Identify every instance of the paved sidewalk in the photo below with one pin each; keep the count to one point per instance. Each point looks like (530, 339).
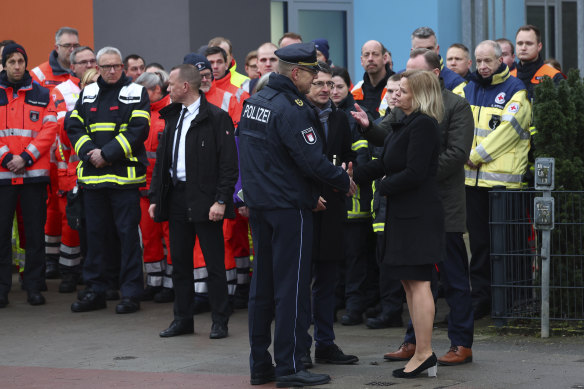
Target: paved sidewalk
(50, 347)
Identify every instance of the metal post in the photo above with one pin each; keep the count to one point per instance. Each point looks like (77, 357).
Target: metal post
(544, 220)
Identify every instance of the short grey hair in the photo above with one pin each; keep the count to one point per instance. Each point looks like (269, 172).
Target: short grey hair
(496, 47)
(65, 30)
(108, 50)
(78, 50)
(423, 33)
(150, 80)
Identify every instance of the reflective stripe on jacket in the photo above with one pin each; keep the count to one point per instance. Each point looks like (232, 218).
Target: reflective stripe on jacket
(501, 137)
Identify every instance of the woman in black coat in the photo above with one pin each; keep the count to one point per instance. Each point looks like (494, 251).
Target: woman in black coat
(414, 225)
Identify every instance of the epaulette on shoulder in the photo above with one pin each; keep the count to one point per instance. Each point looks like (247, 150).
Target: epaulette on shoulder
(296, 101)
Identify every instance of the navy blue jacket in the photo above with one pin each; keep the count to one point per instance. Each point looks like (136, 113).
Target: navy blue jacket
(281, 153)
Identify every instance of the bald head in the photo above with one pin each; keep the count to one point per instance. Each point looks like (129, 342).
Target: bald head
(267, 60)
(372, 58)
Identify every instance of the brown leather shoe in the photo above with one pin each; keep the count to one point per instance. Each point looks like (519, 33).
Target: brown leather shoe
(457, 355)
(404, 353)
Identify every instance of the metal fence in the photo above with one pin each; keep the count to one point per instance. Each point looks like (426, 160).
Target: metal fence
(516, 256)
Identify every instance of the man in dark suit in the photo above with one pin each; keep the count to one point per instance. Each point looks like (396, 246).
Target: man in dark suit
(329, 216)
(192, 187)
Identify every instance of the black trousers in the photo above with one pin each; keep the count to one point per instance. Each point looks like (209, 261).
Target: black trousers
(107, 210)
(359, 242)
(182, 236)
(282, 239)
(391, 291)
(477, 222)
(33, 200)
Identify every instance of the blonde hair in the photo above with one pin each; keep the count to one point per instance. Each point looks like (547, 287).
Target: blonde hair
(426, 93)
(87, 76)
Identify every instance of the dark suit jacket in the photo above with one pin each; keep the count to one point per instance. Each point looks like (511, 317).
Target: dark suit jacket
(210, 158)
(328, 224)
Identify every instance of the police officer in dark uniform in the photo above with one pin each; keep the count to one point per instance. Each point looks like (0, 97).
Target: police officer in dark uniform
(282, 162)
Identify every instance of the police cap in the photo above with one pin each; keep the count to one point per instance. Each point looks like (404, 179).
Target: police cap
(302, 54)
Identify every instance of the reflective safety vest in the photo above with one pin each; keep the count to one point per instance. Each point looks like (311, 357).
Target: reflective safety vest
(237, 78)
(501, 137)
(545, 70)
(28, 126)
(64, 96)
(116, 120)
(360, 207)
(358, 95)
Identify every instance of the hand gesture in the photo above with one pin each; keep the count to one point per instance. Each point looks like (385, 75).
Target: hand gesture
(360, 116)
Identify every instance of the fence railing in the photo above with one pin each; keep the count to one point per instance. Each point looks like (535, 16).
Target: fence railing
(516, 256)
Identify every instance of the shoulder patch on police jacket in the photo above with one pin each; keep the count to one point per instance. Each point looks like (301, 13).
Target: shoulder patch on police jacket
(309, 135)
(90, 93)
(299, 102)
(130, 94)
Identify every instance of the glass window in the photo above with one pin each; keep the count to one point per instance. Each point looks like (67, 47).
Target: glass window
(330, 25)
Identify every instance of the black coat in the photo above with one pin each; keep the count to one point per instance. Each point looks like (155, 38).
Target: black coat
(457, 131)
(414, 231)
(328, 224)
(210, 158)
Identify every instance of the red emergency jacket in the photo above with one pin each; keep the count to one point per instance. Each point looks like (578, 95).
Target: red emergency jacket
(50, 74)
(156, 129)
(28, 125)
(226, 101)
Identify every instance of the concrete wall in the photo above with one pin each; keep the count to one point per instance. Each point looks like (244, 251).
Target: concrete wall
(164, 31)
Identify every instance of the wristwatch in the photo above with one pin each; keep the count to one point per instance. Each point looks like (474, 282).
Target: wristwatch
(221, 202)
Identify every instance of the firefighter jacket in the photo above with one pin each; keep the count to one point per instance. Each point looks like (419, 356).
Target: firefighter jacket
(501, 137)
(50, 74)
(156, 129)
(369, 96)
(227, 85)
(114, 118)
(359, 205)
(533, 72)
(226, 101)
(28, 125)
(64, 96)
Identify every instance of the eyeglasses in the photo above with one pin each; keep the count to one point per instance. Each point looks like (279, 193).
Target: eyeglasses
(108, 68)
(309, 70)
(208, 76)
(86, 62)
(320, 84)
(70, 45)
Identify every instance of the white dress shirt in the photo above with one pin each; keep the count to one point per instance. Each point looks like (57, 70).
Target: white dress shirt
(190, 115)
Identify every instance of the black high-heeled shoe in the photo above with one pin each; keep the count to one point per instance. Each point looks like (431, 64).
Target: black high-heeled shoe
(430, 364)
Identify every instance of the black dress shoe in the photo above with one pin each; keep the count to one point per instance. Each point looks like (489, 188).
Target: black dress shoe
(430, 364)
(351, 319)
(3, 301)
(149, 292)
(383, 321)
(218, 331)
(263, 377)
(35, 298)
(91, 301)
(128, 305)
(166, 295)
(302, 378)
(178, 327)
(306, 360)
(333, 354)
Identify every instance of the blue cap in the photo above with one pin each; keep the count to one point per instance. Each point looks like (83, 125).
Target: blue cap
(322, 46)
(200, 61)
(302, 54)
